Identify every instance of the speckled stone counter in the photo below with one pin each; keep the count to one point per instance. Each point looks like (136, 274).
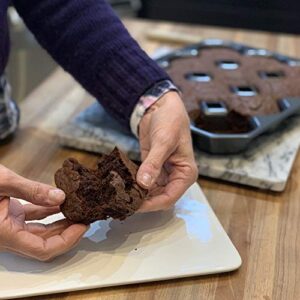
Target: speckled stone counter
(266, 164)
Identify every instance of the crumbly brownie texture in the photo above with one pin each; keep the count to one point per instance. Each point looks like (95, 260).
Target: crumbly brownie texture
(270, 90)
(110, 190)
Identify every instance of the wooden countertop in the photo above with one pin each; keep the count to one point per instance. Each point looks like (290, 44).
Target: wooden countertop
(264, 226)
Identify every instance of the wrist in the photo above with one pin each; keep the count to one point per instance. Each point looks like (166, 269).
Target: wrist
(169, 112)
(148, 99)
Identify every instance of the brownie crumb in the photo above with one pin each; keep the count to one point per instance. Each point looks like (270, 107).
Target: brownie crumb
(108, 191)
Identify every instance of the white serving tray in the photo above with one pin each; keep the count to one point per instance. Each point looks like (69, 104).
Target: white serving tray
(187, 241)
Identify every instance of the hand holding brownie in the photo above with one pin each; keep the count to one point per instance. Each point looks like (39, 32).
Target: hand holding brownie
(33, 239)
(112, 67)
(168, 167)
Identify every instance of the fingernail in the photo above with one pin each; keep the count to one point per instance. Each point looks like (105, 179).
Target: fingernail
(146, 179)
(56, 195)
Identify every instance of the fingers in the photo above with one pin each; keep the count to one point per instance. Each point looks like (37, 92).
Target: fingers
(152, 166)
(4, 208)
(163, 178)
(36, 212)
(45, 249)
(37, 193)
(166, 197)
(69, 238)
(49, 230)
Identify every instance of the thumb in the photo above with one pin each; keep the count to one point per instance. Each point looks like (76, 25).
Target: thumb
(152, 165)
(37, 193)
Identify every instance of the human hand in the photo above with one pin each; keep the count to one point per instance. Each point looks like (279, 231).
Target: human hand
(168, 167)
(35, 240)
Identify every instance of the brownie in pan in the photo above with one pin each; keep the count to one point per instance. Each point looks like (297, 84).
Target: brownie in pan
(223, 87)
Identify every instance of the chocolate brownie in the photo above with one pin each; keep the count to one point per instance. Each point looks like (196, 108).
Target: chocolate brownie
(108, 191)
(269, 78)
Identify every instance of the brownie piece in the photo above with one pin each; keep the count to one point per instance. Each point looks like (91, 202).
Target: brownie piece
(108, 191)
(250, 72)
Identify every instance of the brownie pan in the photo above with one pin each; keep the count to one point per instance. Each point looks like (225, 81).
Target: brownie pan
(216, 112)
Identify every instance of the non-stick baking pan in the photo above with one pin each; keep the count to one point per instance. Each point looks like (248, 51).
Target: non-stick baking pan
(230, 143)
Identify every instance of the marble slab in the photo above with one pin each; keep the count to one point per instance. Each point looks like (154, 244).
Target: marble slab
(266, 164)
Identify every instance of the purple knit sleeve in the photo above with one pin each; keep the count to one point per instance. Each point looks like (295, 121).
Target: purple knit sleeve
(89, 41)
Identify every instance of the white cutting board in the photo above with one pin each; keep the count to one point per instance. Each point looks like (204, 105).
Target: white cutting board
(187, 241)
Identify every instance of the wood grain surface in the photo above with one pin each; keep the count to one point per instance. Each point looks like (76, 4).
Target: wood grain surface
(264, 226)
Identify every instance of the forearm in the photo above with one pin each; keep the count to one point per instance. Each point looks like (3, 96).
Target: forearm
(88, 40)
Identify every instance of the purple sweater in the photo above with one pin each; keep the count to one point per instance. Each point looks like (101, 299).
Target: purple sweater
(89, 41)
